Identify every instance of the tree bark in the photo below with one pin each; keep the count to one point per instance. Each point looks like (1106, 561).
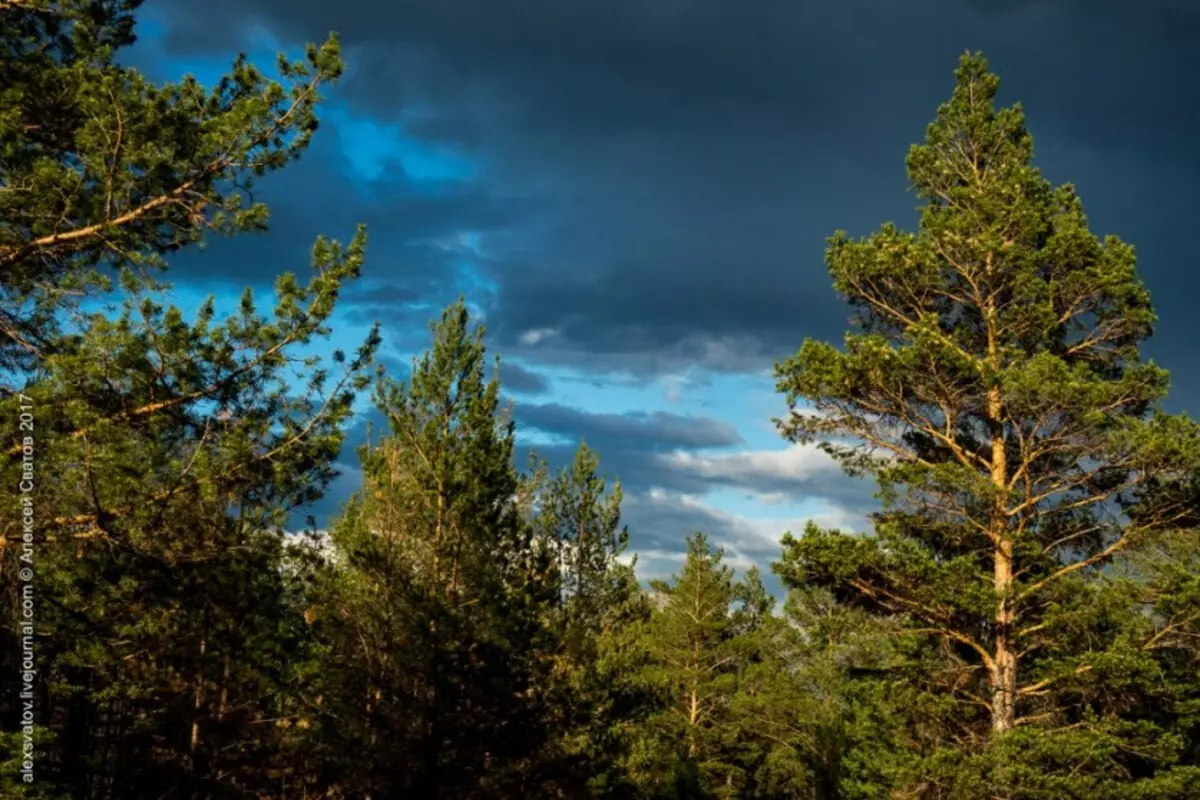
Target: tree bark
(1004, 671)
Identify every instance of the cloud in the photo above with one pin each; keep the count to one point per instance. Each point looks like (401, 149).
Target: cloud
(659, 522)
(535, 336)
(652, 183)
(772, 475)
(771, 467)
(687, 456)
(660, 519)
(636, 430)
(519, 380)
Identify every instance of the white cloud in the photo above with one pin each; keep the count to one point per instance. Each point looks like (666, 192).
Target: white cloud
(532, 337)
(796, 463)
(660, 519)
(674, 386)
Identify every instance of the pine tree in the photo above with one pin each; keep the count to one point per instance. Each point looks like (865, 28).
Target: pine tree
(434, 633)
(179, 450)
(694, 658)
(168, 452)
(597, 620)
(827, 696)
(994, 389)
(582, 518)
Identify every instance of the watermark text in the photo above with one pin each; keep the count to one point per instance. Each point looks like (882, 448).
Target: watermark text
(26, 608)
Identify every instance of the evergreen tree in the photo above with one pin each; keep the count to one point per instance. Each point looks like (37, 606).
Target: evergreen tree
(597, 622)
(828, 695)
(695, 654)
(433, 630)
(994, 388)
(167, 452)
(159, 525)
(583, 521)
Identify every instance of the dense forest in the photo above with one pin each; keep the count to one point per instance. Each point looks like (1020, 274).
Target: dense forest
(1022, 621)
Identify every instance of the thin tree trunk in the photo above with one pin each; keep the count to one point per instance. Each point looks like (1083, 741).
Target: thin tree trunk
(693, 719)
(1004, 677)
(223, 703)
(437, 535)
(197, 701)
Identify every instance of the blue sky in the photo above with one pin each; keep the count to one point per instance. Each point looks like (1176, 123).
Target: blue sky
(635, 202)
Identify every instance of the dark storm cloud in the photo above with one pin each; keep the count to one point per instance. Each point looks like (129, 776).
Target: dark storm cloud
(516, 379)
(413, 258)
(657, 179)
(637, 469)
(698, 153)
(410, 225)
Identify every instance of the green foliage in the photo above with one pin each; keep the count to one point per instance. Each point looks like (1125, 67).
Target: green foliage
(581, 520)
(430, 616)
(167, 452)
(994, 389)
(706, 645)
(1022, 622)
(596, 623)
(179, 450)
(104, 170)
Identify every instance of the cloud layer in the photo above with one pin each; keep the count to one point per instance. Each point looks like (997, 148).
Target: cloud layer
(654, 181)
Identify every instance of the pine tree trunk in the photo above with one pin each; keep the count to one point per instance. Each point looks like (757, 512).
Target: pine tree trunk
(197, 703)
(693, 719)
(437, 538)
(694, 709)
(223, 703)
(1004, 672)
(1004, 669)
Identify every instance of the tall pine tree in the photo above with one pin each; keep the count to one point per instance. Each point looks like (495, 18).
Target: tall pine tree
(432, 620)
(696, 646)
(994, 388)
